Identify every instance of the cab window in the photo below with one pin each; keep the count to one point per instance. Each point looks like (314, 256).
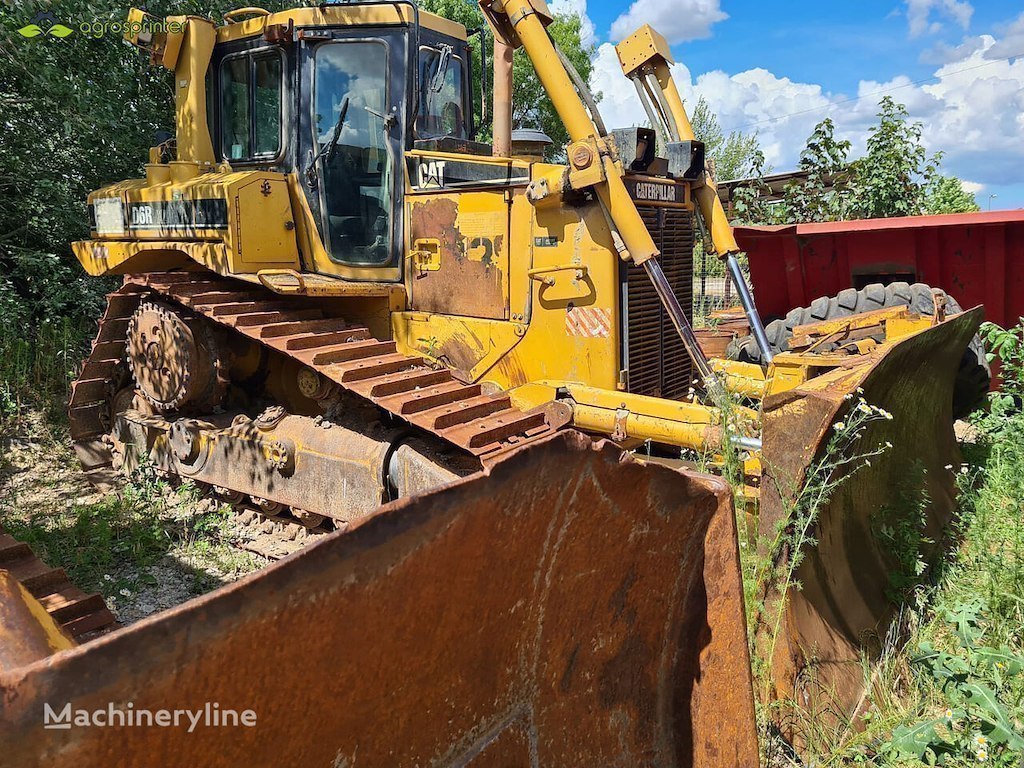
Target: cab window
(441, 109)
(250, 106)
(350, 105)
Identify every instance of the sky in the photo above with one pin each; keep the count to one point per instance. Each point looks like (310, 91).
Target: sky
(778, 68)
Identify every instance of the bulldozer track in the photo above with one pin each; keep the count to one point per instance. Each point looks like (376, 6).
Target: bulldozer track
(408, 387)
(82, 615)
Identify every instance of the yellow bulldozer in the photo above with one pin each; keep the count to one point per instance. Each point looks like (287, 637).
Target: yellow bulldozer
(466, 380)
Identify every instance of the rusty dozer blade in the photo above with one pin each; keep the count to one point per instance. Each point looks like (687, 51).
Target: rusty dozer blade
(568, 607)
(845, 606)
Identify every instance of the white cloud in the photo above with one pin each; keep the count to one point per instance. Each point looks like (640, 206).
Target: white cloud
(971, 187)
(1011, 42)
(588, 34)
(677, 20)
(919, 14)
(974, 112)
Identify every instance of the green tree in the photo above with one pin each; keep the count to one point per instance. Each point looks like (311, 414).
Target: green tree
(946, 194)
(894, 176)
(78, 112)
(531, 106)
(731, 157)
(825, 192)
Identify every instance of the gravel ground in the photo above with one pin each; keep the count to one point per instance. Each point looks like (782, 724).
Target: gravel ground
(167, 545)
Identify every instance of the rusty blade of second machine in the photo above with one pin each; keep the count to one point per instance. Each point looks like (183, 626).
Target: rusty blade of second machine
(848, 597)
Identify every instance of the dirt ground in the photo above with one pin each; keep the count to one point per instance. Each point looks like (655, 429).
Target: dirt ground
(145, 547)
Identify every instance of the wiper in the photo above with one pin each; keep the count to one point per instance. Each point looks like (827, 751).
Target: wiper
(436, 81)
(328, 149)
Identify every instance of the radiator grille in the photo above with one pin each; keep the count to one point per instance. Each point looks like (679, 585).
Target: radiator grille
(655, 359)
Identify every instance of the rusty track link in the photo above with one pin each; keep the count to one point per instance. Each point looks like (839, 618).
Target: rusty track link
(484, 425)
(81, 615)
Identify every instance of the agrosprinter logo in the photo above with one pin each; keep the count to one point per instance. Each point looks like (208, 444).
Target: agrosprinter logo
(45, 25)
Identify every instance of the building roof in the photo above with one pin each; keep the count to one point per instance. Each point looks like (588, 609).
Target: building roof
(900, 222)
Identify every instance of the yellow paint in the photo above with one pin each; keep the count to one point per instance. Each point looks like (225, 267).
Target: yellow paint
(636, 242)
(744, 379)
(641, 47)
(55, 637)
(257, 235)
(623, 415)
(645, 52)
(468, 273)
(349, 15)
(469, 346)
(314, 254)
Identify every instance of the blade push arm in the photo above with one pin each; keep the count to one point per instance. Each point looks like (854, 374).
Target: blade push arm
(645, 58)
(592, 159)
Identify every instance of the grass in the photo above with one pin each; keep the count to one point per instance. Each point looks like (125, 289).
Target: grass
(36, 368)
(145, 547)
(949, 686)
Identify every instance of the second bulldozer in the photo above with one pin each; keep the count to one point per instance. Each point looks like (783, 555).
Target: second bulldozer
(335, 297)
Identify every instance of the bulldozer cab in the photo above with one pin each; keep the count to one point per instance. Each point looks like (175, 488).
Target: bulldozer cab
(336, 98)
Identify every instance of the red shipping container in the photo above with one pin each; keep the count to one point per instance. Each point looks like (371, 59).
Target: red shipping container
(978, 258)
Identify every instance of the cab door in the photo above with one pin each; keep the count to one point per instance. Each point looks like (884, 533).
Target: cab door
(349, 174)
(458, 245)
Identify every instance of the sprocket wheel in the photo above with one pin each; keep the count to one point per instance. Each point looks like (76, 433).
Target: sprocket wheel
(175, 359)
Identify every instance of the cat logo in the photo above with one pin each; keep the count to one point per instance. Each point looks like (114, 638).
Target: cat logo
(142, 215)
(431, 174)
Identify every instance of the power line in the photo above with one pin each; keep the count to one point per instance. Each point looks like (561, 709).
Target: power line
(878, 92)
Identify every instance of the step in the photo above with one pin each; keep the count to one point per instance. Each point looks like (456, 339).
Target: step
(495, 428)
(37, 576)
(108, 350)
(121, 304)
(114, 329)
(316, 340)
(231, 308)
(63, 596)
(356, 350)
(432, 397)
(308, 326)
(86, 420)
(168, 278)
(372, 368)
(185, 290)
(88, 391)
(223, 297)
(99, 369)
(408, 381)
(12, 550)
(266, 318)
(90, 622)
(464, 411)
(76, 609)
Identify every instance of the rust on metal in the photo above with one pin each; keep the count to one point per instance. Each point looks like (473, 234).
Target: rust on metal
(28, 582)
(844, 608)
(346, 355)
(573, 608)
(468, 280)
(27, 632)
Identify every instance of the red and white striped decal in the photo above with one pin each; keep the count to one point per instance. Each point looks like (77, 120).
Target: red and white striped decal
(590, 322)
